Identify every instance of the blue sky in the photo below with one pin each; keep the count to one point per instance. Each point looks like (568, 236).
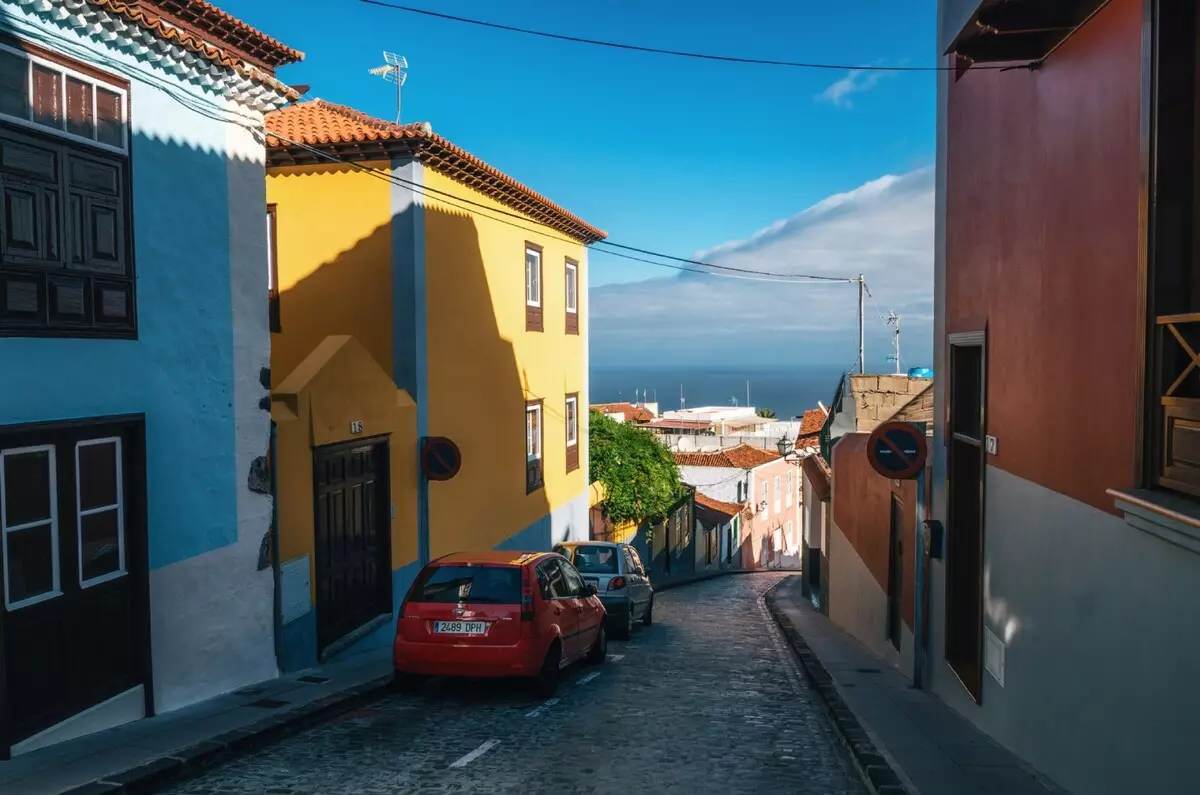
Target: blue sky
(674, 155)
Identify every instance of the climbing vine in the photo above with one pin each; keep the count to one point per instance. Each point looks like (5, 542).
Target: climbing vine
(639, 474)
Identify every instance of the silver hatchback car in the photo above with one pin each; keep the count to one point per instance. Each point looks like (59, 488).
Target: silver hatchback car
(620, 579)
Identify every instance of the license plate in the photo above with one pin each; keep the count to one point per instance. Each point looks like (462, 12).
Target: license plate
(460, 627)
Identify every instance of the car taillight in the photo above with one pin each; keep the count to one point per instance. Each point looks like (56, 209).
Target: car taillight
(526, 596)
(616, 583)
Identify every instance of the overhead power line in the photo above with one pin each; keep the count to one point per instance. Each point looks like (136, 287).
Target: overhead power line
(660, 50)
(458, 201)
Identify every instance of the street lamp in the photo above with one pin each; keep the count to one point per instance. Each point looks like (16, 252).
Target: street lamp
(783, 445)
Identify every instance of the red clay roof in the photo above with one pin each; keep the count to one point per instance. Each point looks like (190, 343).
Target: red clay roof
(729, 509)
(220, 26)
(206, 18)
(741, 457)
(632, 413)
(351, 134)
(810, 428)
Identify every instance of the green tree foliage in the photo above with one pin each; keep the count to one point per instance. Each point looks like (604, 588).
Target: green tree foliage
(767, 413)
(639, 474)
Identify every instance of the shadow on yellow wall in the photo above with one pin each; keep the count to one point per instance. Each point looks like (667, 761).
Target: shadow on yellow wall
(344, 381)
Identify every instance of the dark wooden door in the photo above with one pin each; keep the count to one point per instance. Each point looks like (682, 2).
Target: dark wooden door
(895, 572)
(74, 629)
(353, 539)
(965, 492)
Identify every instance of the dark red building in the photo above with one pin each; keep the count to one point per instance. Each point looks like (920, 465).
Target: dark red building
(1067, 426)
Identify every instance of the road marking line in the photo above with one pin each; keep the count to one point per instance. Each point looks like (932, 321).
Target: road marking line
(589, 677)
(463, 761)
(616, 657)
(540, 708)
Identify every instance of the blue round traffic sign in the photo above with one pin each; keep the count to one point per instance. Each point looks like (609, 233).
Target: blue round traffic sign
(897, 450)
(440, 458)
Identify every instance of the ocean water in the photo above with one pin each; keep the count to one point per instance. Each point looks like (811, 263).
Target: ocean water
(789, 392)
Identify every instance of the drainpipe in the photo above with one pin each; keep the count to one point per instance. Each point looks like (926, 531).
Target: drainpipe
(277, 596)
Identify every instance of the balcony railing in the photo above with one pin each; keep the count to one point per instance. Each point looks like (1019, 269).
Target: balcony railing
(1176, 430)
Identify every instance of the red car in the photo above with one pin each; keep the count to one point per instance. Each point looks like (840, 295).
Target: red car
(498, 614)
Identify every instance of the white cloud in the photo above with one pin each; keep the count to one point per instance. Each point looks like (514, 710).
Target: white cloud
(855, 82)
(883, 230)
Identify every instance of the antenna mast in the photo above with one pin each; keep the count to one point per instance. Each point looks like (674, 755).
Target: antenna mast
(394, 70)
(893, 320)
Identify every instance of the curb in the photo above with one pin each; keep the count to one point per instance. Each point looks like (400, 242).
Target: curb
(875, 771)
(185, 762)
(712, 575)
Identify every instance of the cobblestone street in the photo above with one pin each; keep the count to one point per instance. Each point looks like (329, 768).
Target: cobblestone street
(708, 699)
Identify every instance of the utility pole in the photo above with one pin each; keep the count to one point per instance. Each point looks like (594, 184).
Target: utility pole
(862, 286)
(893, 320)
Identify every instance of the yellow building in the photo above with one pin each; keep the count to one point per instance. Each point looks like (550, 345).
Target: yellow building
(401, 315)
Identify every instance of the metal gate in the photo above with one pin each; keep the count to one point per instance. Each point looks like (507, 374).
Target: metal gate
(353, 540)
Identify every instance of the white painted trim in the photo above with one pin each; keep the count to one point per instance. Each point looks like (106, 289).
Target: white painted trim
(573, 273)
(250, 86)
(63, 73)
(572, 442)
(5, 530)
(530, 436)
(538, 300)
(119, 506)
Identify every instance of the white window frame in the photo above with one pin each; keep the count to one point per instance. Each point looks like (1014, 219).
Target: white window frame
(119, 507)
(64, 73)
(271, 285)
(778, 494)
(533, 277)
(572, 421)
(787, 531)
(788, 488)
(532, 439)
(765, 504)
(5, 530)
(572, 296)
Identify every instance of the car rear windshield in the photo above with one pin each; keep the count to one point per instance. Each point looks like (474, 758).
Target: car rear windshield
(596, 560)
(499, 585)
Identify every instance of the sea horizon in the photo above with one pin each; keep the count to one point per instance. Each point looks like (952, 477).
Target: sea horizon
(789, 393)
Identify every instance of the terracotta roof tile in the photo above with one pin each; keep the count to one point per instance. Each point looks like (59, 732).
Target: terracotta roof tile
(343, 132)
(145, 16)
(810, 428)
(741, 457)
(729, 509)
(225, 28)
(632, 413)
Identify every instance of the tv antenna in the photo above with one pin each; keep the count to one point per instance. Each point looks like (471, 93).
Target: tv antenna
(893, 320)
(394, 70)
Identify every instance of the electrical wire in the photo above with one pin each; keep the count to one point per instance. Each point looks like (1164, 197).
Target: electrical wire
(457, 202)
(659, 50)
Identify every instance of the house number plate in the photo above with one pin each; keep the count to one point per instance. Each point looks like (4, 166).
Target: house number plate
(356, 426)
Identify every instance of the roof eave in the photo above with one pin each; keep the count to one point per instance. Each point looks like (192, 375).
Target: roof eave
(284, 154)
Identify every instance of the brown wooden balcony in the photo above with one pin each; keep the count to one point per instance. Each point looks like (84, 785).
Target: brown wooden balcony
(1175, 445)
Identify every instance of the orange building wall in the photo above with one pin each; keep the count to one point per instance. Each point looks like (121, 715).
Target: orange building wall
(1042, 246)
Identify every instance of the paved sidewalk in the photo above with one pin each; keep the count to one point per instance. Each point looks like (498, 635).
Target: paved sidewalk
(139, 755)
(926, 744)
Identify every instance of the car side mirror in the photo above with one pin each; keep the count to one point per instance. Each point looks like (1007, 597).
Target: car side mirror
(592, 590)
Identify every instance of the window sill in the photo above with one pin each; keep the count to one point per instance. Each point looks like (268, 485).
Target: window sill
(1162, 514)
